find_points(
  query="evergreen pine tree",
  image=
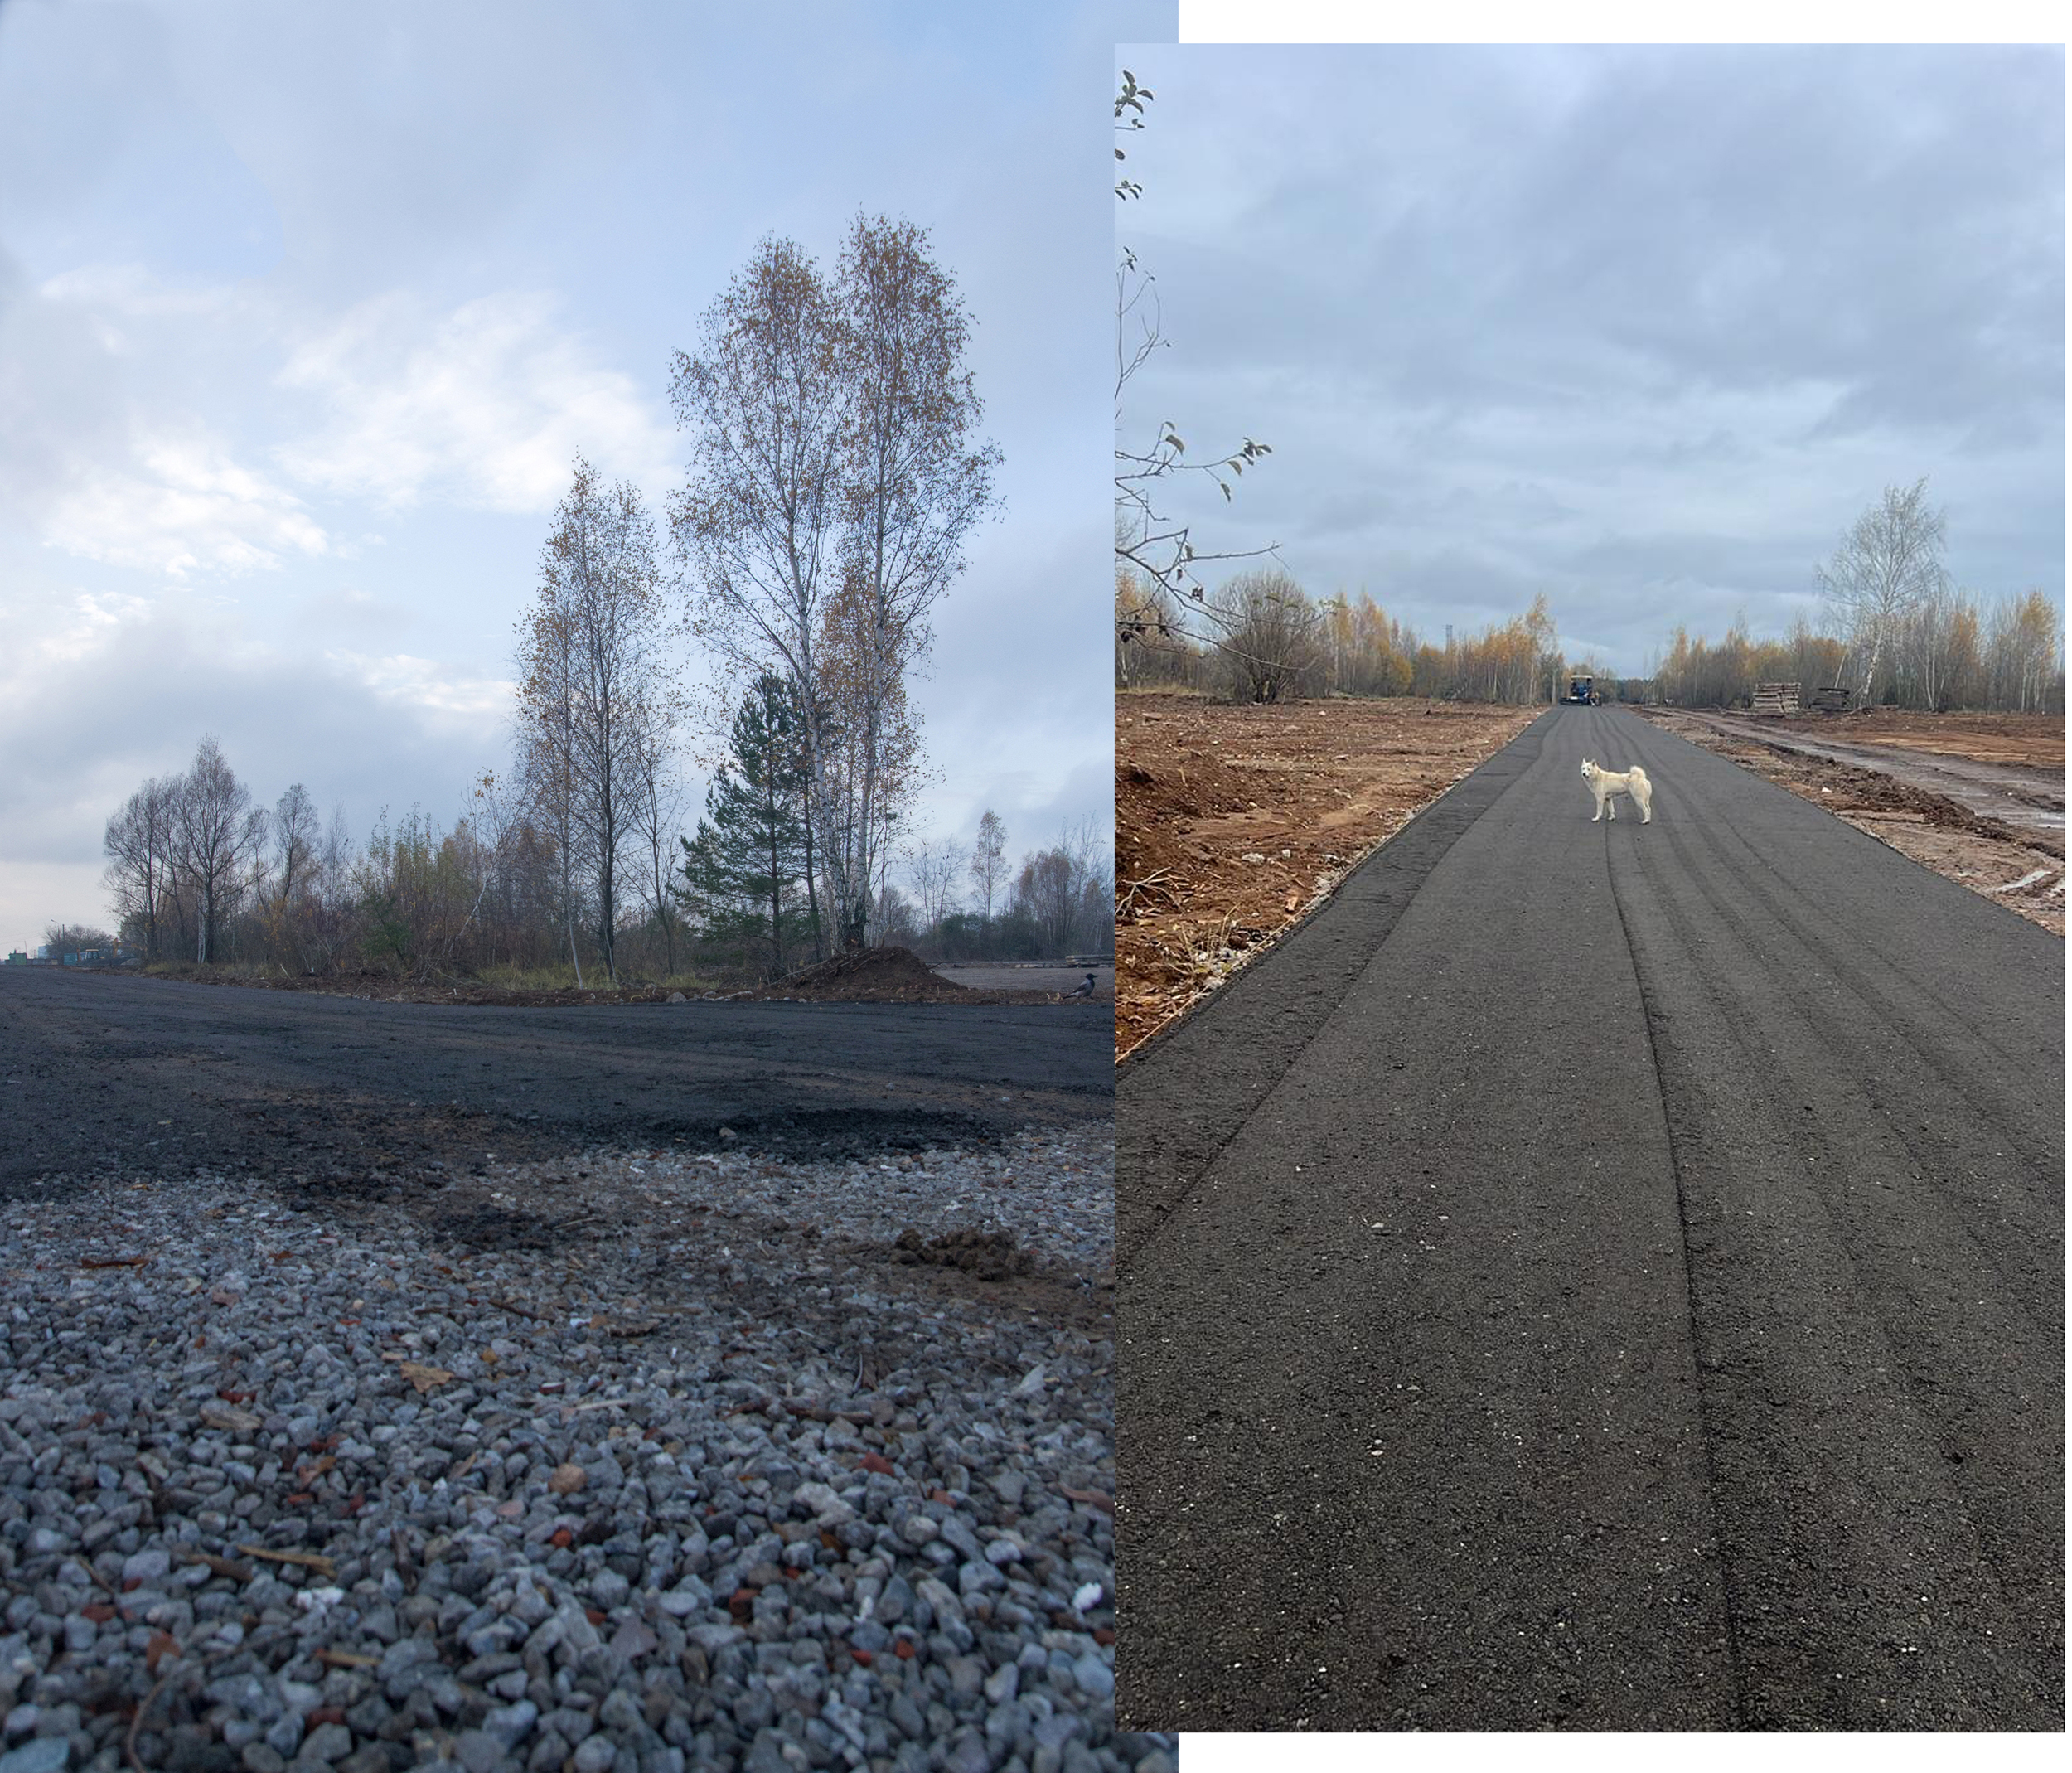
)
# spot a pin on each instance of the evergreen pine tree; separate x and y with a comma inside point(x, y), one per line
point(743, 873)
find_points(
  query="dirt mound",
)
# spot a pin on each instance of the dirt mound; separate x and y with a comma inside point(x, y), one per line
point(872, 974)
point(990, 1255)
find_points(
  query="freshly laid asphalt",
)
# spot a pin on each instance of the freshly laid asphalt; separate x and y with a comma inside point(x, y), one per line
point(108, 1072)
point(1602, 1277)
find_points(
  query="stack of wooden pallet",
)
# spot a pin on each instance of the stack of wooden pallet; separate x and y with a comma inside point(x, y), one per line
point(1831, 701)
point(1776, 699)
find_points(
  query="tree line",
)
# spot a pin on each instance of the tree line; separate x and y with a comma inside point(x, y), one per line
point(1267, 639)
point(198, 871)
point(1955, 652)
point(1893, 629)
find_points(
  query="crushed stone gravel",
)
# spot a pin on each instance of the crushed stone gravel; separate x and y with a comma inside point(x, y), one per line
point(637, 1460)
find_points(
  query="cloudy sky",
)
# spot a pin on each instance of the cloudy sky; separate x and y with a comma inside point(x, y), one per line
point(1642, 328)
point(304, 312)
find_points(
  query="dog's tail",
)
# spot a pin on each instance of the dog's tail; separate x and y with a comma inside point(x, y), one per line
point(1638, 774)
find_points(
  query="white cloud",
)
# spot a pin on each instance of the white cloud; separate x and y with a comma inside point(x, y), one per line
point(136, 292)
point(485, 406)
point(178, 504)
point(425, 684)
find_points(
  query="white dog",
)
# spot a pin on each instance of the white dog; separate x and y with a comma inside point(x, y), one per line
point(1605, 784)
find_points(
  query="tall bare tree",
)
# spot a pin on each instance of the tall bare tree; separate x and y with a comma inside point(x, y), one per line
point(756, 524)
point(544, 720)
point(988, 861)
point(870, 757)
point(659, 798)
point(592, 691)
point(916, 480)
point(1890, 561)
point(216, 831)
point(286, 889)
point(933, 866)
point(139, 846)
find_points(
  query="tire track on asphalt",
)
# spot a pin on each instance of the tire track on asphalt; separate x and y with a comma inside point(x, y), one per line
point(1883, 996)
point(1708, 1427)
point(1867, 1288)
point(1953, 1091)
point(1409, 1432)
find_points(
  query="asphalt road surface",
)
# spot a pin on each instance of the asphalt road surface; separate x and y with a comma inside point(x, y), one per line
point(1602, 1277)
point(102, 1073)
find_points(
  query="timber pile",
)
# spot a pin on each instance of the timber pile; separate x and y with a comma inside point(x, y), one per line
point(1776, 699)
point(1831, 700)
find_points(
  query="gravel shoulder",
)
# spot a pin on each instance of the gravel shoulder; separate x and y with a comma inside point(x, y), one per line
point(750, 1442)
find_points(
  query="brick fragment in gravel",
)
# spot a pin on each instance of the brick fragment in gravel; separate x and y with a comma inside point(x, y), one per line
point(695, 1476)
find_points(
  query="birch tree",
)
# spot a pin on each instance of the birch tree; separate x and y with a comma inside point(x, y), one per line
point(834, 476)
point(870, 755)
point(988, 861)
point(593, 687)
point(756, 524)
point(294, 866)
point(916, 480)
point(2024, 652)
point(1890, 561)
point(933, 867)
point(657, 802)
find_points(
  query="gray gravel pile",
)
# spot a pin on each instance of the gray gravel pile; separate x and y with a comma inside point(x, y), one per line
point(665, 1464)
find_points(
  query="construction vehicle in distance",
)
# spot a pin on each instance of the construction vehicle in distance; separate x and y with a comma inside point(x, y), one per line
point(1585, 690)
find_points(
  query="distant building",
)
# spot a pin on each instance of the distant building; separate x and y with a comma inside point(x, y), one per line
point(16, 958)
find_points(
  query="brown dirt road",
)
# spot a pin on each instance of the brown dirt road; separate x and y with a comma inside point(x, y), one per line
point(1232, 820)
point(2035, 740)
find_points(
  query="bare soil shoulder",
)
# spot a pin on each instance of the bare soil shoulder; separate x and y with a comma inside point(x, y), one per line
point(1232, 820)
